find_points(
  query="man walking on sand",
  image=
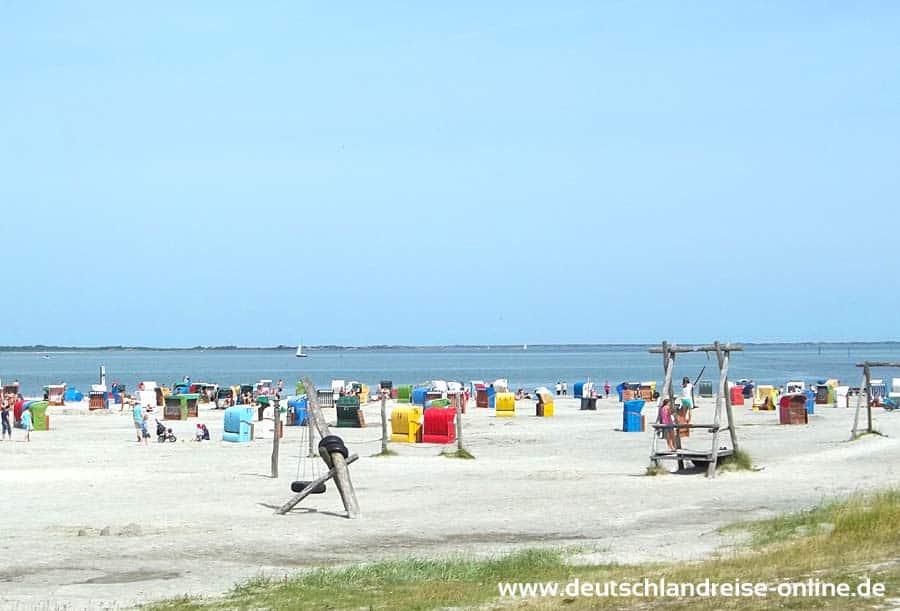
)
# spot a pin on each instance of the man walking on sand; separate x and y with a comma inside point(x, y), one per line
point(4, 417)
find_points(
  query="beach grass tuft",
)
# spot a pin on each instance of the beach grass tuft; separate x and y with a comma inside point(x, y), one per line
point(739, 461)
point(459, 453)
point(385, 453)
point(654, 470)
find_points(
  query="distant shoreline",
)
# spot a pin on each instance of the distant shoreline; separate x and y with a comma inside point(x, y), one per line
point(40, 348)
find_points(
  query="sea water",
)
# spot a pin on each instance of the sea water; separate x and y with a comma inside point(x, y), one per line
point(536, 366)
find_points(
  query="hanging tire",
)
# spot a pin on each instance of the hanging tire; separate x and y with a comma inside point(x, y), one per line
point(299, 485)
point(333, 444)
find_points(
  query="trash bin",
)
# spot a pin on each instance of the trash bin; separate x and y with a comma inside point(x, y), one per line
point(348, 413)
point(589, 403)
point(706, 388)
point(578, 390)
point(632, 420)
point(298, 411)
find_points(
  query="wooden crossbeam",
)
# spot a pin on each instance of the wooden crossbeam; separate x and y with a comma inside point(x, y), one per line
point(871, 364)
point(675, 348)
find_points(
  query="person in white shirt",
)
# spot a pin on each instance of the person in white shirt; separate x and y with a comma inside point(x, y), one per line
point(687, 393)
point(687, 401)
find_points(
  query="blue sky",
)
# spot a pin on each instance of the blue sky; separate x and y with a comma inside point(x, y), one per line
point(253, 173)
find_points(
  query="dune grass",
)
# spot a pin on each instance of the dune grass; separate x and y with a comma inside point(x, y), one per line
point(739, 461)
point(844, 541)
point(459, 453)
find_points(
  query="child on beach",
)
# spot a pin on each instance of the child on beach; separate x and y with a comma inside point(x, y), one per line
point(27, 424)
point(202, 433)
point(139, 417)
point(145, 434)
point(4, 416)
point(666, 419)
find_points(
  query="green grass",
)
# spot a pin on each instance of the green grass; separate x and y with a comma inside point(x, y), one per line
point(859, 517)
point(385, 453)
point(460, 453)
point(739, 461)
point(838, 541)
point(654, 470)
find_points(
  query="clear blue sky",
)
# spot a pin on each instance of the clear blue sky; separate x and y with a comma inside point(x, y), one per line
point(180, 173)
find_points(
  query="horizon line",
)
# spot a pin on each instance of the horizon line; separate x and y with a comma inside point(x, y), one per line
point(323, 347)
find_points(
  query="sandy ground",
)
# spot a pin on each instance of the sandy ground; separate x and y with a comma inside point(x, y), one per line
point(190, 518)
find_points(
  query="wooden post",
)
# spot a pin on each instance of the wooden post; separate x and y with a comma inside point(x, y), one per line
point(868, 374)
point(384, 447)
point(669, 392)
point(654, 462)
point(722, 357)
point(862, 385)
point(275, 438)
point(728, 407)
point(459, 426)
point(341, 473)
point(311, 436)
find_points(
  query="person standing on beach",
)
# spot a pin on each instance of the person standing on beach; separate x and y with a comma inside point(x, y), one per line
point(558, 388)
point(687, 399)
point(27, 424)
point(145, 434)
point(138, 415)
point(606, 389)
point(665, 417)
point(565, 389)
point(4, 416)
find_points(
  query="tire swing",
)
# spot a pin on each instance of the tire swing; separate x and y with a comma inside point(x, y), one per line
point(308, 470)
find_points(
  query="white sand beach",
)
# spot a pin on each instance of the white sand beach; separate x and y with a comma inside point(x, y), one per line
point(189, 518)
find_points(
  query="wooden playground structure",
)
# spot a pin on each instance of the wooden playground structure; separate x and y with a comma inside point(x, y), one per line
point(699, 457)
point(336, 458)
point(866, 385)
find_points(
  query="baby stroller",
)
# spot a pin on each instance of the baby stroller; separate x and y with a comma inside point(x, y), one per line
point(163, 434)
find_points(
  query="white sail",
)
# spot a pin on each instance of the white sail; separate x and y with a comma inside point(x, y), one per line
point(300, 349)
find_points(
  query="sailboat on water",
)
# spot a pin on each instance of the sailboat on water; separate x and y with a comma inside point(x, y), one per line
point(300, 352)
